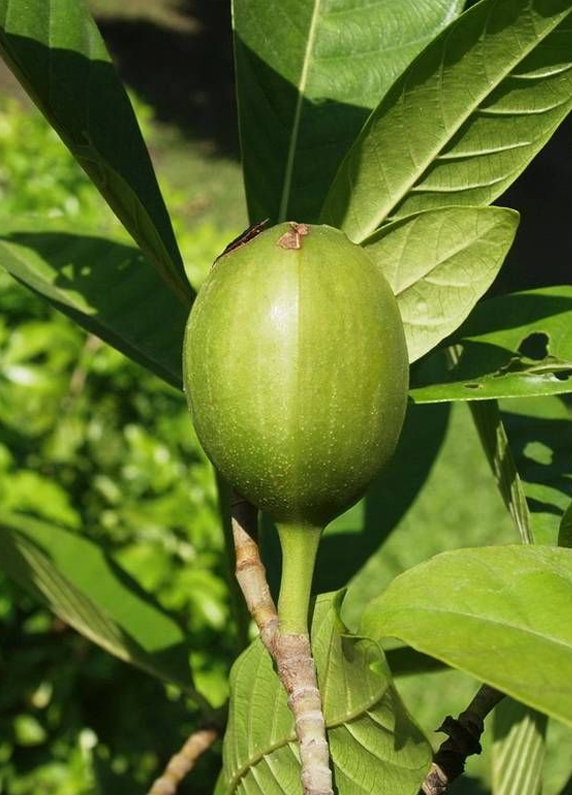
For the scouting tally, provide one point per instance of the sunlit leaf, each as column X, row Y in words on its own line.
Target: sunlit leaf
column 89, row 591
column 109, row 288
column 439, row 263
column 55, row 50
column 374, row 745
column 502, row 614
column 517, row 345
column 519, row 735
column 464, row 120
column 308, row 74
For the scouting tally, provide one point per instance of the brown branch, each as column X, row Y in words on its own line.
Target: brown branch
column 250, row 571
column 463, row 740
column 291, row 653
column 297, row 672
column 183, row 762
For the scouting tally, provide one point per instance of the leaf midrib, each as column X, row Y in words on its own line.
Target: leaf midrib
column 486, row 620
column 298, row 113
column 469, row 111
column 340, row 720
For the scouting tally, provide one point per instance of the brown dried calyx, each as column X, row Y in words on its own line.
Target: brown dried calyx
column 293, row 238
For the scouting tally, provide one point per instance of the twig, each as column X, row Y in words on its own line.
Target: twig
column 183, row 762
column 291, row 652
column 463, row 736
column 250, row 571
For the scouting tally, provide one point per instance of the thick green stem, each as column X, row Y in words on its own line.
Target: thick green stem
column 299, row 547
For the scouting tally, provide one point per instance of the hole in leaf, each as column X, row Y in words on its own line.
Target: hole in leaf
column 563, row 375
column 535, row 346
column 473, row 386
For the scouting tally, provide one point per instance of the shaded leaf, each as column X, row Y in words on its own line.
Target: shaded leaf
column 107, row 287
column 565, row 529
column 55, row 50
column 464, row 119
column 502, row 614
column 308, row 75
column 519, row 735
column 89, row 591
column 374, row 745
column 517, row 345
column 492, row 434
column 439, row 263
column 540, row 436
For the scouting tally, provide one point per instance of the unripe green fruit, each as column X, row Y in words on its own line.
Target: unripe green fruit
column 296, row 371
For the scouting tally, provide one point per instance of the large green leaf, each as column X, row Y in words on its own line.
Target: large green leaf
column 516, row 345
column 89, row 591
column 54, row 49
column 439, row 263
column 519, row 735
column 308, row 74
column 464, row 120
column 374, row 745
column 502, row 614
column 107, row 287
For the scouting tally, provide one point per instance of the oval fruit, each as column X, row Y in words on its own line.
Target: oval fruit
column 296, row 371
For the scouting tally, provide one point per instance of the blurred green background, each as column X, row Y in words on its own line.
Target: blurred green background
column 91, row 442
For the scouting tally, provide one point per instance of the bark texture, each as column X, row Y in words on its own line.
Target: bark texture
column 183, row 762
column 291, row 653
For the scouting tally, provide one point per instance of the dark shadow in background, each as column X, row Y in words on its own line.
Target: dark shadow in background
column 185, row 73
column 187, row 76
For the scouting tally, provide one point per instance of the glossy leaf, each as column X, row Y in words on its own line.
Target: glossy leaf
column 308, row 74
column 89, row 591
column 502, row 614
column 55, row 50
column 439, row 263
column 107, row 287
column 464, row 120
column 374, row 745
column 519, row 735
column 516, row 345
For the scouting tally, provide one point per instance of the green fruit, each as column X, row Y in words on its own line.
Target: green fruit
column 296, row 371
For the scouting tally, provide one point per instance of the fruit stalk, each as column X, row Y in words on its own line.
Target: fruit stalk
column 288, row 641
column 293, row 654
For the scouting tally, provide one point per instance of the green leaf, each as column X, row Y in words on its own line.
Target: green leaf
column 519, row 735
column 55, row 50
column 540, row 436
column 502, row 614
column 494, row 440
column 565, row 529
column 439, row 263
column 464, row 120
column 89, row 591
column 107, row 287
column 517, row 345
column 308, row 75
column 374, row 745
